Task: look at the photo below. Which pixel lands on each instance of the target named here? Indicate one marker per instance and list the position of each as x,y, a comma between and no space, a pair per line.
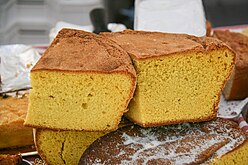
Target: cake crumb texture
66,147
237,87
179,77
63,147
82,82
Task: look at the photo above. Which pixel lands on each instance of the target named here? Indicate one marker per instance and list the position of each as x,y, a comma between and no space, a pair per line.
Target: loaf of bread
13,133
215,142
65,147
82,82
179,77
237,87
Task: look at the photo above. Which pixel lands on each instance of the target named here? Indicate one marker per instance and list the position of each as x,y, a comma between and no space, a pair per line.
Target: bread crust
110,56
165,44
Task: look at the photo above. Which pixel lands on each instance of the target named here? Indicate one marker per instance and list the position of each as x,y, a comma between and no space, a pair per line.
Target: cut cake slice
63,147
179,77
66,147
81,82
237,87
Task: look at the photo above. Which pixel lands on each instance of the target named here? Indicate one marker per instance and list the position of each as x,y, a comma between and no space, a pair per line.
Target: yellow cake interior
64,147
78,100
237,156
179,88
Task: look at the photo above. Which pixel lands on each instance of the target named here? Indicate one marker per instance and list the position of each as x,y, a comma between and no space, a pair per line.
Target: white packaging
177,16
15,65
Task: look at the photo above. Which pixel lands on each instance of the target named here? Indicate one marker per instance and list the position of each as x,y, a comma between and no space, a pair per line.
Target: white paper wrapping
15,65
177,16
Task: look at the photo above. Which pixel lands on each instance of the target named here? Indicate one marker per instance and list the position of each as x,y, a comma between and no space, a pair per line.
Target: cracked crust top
80,51
142,45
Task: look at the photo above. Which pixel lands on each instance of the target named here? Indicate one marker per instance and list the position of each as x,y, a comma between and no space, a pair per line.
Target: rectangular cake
237,87
81,82
179,77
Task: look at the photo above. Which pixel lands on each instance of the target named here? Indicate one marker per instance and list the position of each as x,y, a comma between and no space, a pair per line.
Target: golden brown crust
79,51
143,45
82,52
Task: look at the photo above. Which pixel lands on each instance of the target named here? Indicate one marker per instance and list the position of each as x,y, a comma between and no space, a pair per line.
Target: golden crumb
179,77
82,82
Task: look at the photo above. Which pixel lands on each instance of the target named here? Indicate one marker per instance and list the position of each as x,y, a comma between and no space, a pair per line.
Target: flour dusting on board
176,144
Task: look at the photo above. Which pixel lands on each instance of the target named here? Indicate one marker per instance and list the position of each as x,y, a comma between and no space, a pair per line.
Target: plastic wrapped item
177,16
15,65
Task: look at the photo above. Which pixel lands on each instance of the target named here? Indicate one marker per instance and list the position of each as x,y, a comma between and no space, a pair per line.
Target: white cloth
177,16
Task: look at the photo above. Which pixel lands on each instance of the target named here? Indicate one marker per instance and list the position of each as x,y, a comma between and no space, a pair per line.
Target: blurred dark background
120,11
226,12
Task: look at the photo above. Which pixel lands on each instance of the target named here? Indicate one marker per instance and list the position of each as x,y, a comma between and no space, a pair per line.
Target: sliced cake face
176,81
82,82
66,147
175,89
237,87
63,147
198,143
84,101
